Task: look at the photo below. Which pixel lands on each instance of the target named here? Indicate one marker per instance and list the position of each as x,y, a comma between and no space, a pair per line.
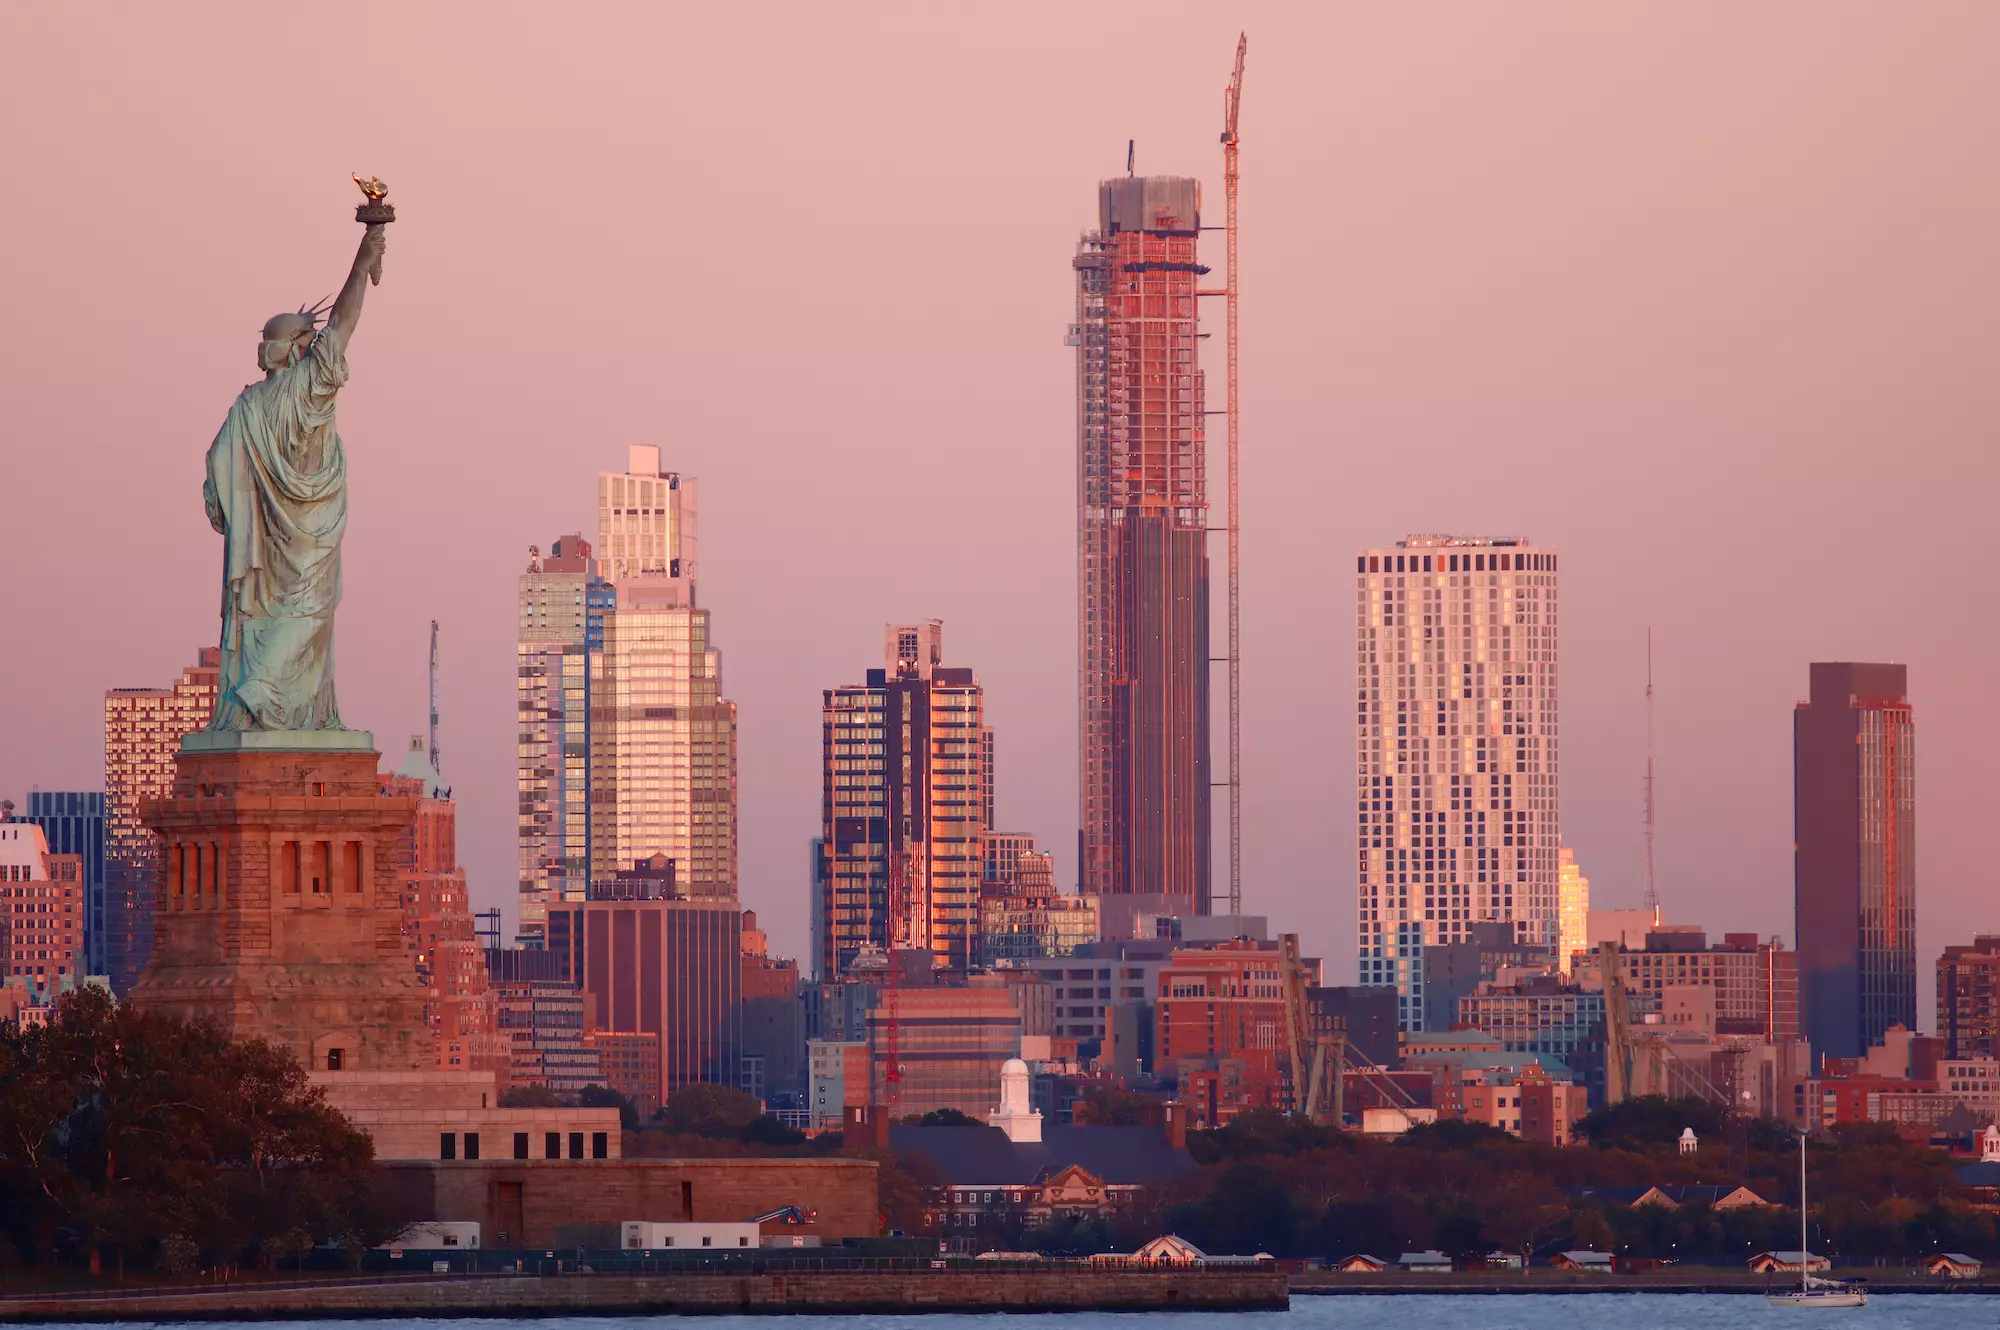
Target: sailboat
1814,1292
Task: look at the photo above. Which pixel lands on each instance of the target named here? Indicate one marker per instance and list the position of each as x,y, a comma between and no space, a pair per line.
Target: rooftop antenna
1131,154
434,699
1652,880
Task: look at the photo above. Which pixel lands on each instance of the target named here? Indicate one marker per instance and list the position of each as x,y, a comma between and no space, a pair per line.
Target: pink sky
1702,295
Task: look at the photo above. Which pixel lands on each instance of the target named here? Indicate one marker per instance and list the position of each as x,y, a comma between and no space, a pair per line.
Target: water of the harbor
1586,1311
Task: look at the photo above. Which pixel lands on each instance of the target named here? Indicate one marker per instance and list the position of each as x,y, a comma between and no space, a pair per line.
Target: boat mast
1805,1257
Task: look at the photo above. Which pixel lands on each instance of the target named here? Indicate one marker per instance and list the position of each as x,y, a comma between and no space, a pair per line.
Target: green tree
1106,1106
530,1096
603,1096
1069,1235
942,1117
700,1109
1455,1134
1385,1226
904,1185
1247,1210
176,1256
287,1162
1262,1133
1591,1231
121,1130
1535,1215
1650,1122
1461,1230
767,1130
286,1245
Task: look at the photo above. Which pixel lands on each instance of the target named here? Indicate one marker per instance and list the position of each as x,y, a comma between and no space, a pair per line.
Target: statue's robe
277,491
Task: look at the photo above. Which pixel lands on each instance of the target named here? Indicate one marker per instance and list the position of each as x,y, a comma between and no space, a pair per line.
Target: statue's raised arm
367,271
375,214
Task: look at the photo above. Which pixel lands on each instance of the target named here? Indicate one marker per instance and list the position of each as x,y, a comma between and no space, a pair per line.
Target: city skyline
1634,425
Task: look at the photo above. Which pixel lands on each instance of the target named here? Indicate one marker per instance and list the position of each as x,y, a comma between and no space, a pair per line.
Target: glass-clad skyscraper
628,748
562,605
73,821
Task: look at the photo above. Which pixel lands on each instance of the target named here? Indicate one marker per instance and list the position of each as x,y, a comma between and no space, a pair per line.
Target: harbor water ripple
1351,1311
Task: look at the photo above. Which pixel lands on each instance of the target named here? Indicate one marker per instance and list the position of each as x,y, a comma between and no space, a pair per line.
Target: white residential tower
1456,751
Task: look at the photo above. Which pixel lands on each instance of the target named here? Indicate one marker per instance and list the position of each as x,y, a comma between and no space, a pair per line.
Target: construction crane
1326,1082
434,699
1292,978
1366,1067
1617,1033
1232,102
901,937
892,1072
1316,1085
1652,901
1319,1085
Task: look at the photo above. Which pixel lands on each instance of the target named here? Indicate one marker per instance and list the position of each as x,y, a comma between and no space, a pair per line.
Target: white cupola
1014,1116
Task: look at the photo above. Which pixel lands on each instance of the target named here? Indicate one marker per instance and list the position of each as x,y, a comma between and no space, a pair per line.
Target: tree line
131,1138
1269,1183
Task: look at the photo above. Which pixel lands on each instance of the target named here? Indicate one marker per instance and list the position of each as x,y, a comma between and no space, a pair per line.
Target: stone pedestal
279,913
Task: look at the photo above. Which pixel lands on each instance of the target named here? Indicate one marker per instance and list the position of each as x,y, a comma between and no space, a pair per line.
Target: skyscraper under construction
1142,556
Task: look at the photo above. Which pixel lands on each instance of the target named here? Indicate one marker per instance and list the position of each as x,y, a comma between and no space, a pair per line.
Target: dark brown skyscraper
1854,817
659,963
1142,553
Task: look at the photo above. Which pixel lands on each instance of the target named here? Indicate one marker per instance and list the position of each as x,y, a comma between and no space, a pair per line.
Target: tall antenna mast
1652,881
434,699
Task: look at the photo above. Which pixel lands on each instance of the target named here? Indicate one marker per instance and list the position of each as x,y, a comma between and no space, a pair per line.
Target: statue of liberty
277,491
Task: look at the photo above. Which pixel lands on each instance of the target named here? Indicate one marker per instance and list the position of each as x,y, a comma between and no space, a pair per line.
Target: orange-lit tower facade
143,728
1142,557
459,1004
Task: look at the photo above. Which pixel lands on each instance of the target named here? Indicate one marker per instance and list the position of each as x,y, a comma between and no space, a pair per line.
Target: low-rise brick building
548,1204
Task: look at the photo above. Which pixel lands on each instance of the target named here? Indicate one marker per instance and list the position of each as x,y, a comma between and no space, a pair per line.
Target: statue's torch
375,210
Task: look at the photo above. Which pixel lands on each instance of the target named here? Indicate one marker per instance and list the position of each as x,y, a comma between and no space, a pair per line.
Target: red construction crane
892,1076
1232,102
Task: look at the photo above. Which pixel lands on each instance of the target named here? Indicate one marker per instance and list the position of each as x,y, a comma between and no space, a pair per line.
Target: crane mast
900,937
1232,102
1652,901
434,699
1617,1025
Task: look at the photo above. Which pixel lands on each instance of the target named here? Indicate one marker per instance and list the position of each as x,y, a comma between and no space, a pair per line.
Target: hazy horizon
1701,297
